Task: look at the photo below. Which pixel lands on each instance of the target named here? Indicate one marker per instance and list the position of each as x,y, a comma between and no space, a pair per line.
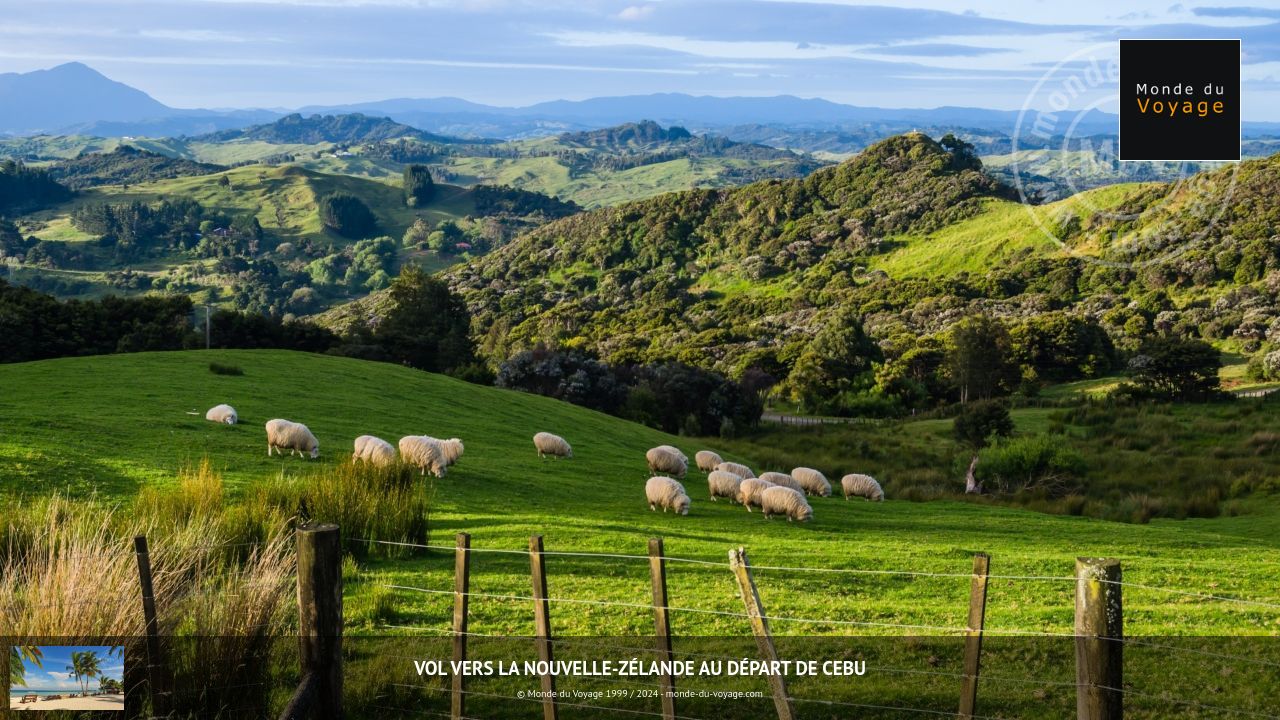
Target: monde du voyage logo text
1180,100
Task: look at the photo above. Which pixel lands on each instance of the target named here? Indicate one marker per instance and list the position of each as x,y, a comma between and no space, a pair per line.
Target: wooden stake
320,615
973,634
760,627
542,626
662,625
461,586
1099,640
155,662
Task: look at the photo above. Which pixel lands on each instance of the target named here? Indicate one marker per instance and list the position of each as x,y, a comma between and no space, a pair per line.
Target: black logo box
1180,65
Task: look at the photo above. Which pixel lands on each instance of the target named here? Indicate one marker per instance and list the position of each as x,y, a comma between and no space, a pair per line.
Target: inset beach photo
66,677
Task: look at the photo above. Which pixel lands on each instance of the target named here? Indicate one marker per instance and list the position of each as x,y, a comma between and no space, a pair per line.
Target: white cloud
635,12
201,36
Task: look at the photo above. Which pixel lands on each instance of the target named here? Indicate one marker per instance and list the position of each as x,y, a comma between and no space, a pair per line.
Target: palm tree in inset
19,655
84,665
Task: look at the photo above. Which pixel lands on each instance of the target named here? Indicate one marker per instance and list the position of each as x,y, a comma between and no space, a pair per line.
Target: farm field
101,428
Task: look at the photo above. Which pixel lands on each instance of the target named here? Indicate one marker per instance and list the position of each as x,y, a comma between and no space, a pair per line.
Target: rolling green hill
106,426
284,202
910,237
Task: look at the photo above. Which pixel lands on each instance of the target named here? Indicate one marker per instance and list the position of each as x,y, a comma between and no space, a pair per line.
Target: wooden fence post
461,586
662,625
760,627
542,626
973,634
320,616
155,662
1099,640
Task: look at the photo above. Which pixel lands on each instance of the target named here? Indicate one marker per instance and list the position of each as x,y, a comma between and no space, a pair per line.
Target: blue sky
53,676
908,53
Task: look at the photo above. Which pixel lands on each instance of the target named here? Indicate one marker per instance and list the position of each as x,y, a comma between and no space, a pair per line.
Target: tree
974,427
980,358
427,326
418,186
85,664
347,215
839,353
1174,368
19,656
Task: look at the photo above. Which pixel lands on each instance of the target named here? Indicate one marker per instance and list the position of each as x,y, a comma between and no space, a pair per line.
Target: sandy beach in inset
100,702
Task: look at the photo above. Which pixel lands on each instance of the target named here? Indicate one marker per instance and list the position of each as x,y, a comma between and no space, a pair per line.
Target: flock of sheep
426,453
775,493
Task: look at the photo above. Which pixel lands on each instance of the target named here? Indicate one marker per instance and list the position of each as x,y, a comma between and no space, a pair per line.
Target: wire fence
826,624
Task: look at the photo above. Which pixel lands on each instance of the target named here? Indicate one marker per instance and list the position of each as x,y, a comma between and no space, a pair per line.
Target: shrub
347,215
1033,463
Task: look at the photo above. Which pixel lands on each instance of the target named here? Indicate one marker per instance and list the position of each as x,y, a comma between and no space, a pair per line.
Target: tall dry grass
68,569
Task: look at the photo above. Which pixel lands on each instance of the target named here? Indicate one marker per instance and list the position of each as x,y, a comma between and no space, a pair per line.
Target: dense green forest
777,278
126,165
23,189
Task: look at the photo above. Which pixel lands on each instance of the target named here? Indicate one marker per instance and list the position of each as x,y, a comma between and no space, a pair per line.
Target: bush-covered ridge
674,260
746,279
348,128
127,165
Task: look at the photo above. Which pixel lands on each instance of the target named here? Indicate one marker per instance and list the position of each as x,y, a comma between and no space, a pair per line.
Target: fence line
549,553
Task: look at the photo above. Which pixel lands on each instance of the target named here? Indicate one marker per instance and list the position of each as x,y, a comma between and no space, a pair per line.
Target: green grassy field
1003,229
104,427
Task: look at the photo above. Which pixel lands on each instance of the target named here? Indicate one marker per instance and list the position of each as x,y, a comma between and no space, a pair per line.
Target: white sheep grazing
783,479
785,501
863,486
723,484
424,453
707,460
222,414
677,451
813,482
666,493
373,450
666,459
738,469
552,445
295,437
749,492
452,450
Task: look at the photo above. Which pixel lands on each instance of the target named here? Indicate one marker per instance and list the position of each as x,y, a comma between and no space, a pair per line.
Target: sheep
663,459
222,414
783,479
424,453
666,493
813,482
676,451
373,450
863,486
552,445
785,501
452,450
295,437
749,491
707,460
738,469
723,484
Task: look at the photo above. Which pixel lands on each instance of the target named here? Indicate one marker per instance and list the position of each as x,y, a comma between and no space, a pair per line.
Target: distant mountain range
76,99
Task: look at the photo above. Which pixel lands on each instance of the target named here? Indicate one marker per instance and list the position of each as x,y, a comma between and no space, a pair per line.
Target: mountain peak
69,94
